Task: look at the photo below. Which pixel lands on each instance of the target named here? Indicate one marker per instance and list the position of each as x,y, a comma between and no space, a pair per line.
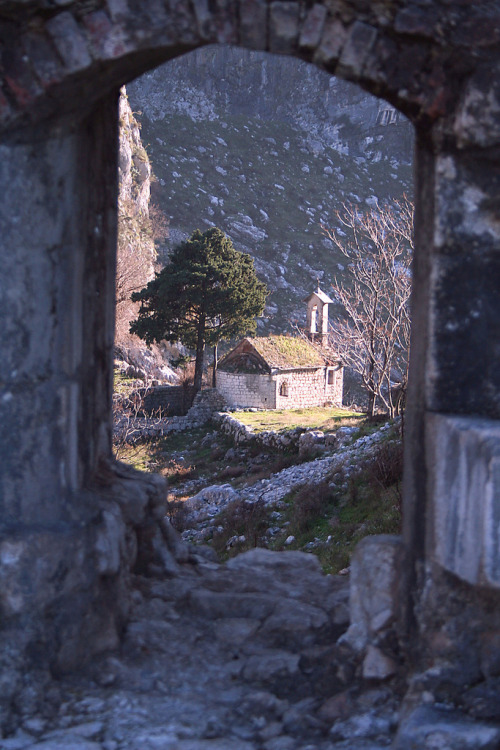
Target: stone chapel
285,372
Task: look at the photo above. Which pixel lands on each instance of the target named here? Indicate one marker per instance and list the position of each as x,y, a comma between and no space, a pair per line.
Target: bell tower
317,316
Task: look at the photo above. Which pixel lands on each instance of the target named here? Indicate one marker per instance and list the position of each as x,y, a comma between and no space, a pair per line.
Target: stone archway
67,511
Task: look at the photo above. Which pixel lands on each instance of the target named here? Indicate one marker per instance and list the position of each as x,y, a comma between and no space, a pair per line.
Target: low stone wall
301,439
169,400
241,433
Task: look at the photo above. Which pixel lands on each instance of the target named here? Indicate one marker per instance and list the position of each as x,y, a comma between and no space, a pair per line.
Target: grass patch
122,384
140,456
325,418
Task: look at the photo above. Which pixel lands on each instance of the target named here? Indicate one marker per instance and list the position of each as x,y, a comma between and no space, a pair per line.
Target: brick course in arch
68,514
59,57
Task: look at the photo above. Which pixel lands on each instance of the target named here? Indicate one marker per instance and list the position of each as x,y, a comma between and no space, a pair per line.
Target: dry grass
325,418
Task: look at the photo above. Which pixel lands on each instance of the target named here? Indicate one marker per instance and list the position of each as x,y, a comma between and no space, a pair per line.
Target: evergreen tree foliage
207,292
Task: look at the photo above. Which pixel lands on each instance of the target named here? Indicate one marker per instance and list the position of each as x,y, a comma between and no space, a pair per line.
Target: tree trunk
200,352
214,373
372,398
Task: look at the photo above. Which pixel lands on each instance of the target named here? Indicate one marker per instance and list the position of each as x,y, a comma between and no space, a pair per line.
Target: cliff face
134,168
268,148
136,249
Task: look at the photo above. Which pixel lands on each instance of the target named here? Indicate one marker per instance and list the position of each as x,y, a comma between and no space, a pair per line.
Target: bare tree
374,336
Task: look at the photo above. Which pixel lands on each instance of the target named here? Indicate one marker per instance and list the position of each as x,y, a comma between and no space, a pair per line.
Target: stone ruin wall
71,518
166,400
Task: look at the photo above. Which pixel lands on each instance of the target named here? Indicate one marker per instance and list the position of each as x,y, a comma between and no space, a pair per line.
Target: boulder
376,588
428,728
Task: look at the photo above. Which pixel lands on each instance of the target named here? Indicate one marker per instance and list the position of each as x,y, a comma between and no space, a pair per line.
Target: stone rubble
204,506
241,656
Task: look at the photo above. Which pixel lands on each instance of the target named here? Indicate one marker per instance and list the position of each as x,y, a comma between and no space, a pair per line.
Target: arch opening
236,143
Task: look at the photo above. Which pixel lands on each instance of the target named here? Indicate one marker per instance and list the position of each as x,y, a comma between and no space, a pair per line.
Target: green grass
123,384
317,417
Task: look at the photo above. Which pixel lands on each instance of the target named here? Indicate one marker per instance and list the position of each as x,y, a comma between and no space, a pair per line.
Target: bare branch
373,337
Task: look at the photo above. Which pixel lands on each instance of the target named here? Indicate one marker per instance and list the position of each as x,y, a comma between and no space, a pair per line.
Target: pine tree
207,292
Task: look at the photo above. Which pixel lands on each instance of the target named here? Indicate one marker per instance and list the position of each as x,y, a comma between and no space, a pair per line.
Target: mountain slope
267,149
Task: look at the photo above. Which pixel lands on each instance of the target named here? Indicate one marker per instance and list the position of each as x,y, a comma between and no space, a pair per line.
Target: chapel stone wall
247,389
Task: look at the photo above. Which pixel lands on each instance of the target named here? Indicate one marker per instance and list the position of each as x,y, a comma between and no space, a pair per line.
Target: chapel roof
279,352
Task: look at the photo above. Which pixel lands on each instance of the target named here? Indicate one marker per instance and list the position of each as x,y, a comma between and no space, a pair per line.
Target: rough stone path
241,656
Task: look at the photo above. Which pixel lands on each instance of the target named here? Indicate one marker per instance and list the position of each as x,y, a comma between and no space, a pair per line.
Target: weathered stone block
312,28
117,9
226,22
415,20
356,49
18,75
70,41
283,27
253,24
110,546
47,67
204,19
430,729
377,581
37,568
332,41
464,460
107,41
181,21
377,665
477,120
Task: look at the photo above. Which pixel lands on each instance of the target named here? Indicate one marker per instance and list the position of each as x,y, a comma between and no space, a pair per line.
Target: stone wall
247,389
304,388
170,400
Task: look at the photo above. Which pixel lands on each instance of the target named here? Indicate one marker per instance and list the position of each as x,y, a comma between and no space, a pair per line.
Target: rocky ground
239,656
263,652
250,655
337,459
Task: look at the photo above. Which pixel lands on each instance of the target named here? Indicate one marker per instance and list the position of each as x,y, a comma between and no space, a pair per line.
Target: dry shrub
309,505
232,472
386,467
177,513
177,472
216,454
186,375
242,519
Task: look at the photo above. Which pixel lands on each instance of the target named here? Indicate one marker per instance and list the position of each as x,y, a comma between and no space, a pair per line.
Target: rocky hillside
140,224
136,249
267,149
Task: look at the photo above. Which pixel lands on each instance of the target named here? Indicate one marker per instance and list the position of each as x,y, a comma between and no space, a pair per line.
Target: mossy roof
286,352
